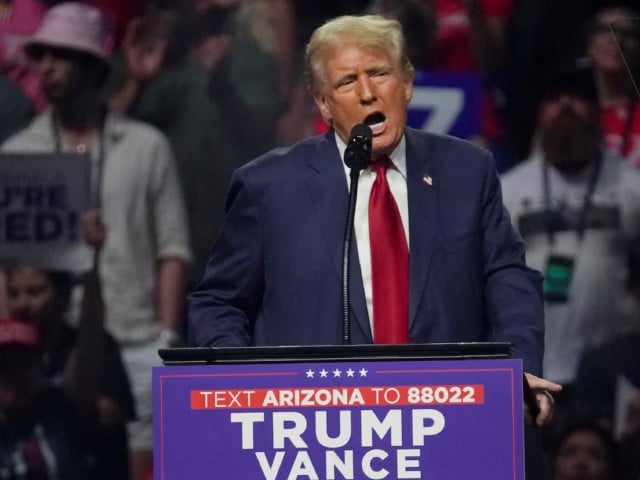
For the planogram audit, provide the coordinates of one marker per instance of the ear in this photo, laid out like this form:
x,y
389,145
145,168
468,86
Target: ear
x,y
323,107
408,90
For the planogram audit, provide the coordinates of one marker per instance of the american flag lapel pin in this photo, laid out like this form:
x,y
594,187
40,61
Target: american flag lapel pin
x,y
428,180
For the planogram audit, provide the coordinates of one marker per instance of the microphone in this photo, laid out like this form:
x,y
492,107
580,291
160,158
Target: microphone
x,y
357,156
358,153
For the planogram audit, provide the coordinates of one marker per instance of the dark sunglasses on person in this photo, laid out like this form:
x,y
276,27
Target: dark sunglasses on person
x,y
38,52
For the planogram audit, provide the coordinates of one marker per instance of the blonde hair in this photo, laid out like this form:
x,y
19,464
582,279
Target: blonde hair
x,y
368,31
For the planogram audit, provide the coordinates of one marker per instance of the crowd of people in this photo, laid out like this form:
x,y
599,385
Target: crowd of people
x,y
167,99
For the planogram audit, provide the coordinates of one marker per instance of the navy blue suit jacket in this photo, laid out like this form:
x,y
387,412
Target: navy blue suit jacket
x,y
274,276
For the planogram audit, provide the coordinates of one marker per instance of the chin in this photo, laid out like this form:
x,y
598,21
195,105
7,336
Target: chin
x,y
383,146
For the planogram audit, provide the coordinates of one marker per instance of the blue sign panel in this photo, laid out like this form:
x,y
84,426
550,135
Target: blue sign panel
x,y
447,102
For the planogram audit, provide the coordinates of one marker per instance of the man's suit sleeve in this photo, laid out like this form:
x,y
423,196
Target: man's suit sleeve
x,y
222,309
513,291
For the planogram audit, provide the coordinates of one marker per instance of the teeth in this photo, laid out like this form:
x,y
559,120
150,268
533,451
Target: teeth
x,y
376,126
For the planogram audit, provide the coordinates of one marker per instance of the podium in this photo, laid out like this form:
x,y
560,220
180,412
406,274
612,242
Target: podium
x,y
445,411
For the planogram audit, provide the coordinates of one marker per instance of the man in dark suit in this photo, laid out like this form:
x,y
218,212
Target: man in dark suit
x,y
274,274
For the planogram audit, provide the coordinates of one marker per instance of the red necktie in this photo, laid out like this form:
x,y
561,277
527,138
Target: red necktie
x,y
389,261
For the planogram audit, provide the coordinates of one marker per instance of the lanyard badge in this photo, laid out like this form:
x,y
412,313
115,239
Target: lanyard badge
x,y
557,278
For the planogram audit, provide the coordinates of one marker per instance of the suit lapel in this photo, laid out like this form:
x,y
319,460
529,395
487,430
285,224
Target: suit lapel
x,y
330,195
422,193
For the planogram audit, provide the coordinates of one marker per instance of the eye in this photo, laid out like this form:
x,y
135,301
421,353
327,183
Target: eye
x,y
379,74
36,290
344,85
345,81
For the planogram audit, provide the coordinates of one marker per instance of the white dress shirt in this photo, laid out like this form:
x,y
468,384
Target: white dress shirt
x,y
397,178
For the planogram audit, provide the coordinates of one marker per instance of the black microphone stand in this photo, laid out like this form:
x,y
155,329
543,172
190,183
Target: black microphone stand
x,y
357,156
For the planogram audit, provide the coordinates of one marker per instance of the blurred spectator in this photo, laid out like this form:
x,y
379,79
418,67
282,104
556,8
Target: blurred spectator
x,y
602,367
142,55
576,208
135,187
119,13
613,45
42,435
18,22
470,34
188,95
42,298
262,63
470,37
15,108
586,451
215,79
418,24
541,35
19,19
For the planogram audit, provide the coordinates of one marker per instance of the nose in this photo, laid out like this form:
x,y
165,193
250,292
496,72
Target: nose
x,y
45,62
565,100
366,90
19,306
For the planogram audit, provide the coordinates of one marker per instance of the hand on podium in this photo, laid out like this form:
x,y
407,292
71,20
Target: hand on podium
x,y
543,391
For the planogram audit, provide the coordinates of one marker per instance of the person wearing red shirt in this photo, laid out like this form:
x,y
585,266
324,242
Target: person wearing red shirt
x,y
613,46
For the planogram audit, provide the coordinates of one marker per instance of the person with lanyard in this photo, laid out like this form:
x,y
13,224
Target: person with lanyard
x,y
437,257
577,206
135,194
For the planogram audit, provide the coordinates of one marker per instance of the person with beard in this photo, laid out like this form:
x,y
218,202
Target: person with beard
x,y
577,206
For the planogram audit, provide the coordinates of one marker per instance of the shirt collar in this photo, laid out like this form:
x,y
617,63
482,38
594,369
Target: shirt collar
x,y
115,126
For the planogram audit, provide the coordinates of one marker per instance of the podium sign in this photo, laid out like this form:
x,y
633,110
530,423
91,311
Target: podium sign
x,y
399,419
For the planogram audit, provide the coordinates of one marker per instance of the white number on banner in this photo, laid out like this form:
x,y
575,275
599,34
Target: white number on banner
x,y
445,104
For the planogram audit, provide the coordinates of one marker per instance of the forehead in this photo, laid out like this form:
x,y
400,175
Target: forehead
x,y
616,17
26,275
584,439
560,95
352,55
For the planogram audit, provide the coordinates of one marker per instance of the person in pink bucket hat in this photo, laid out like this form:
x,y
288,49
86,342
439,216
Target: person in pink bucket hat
x,y
135,194
74,31
74,26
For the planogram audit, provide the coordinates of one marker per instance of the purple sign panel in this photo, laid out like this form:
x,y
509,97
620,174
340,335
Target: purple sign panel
x,y
447,102
340,420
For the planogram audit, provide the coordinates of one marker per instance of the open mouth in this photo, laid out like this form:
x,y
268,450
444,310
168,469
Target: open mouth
x,y
375,121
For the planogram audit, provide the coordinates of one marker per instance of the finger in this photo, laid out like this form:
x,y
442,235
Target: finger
x,y
546,404
538,383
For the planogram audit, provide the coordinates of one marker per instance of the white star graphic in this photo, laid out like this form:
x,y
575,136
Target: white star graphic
x,y
350,373
310,373
363,372
323,373
337,373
